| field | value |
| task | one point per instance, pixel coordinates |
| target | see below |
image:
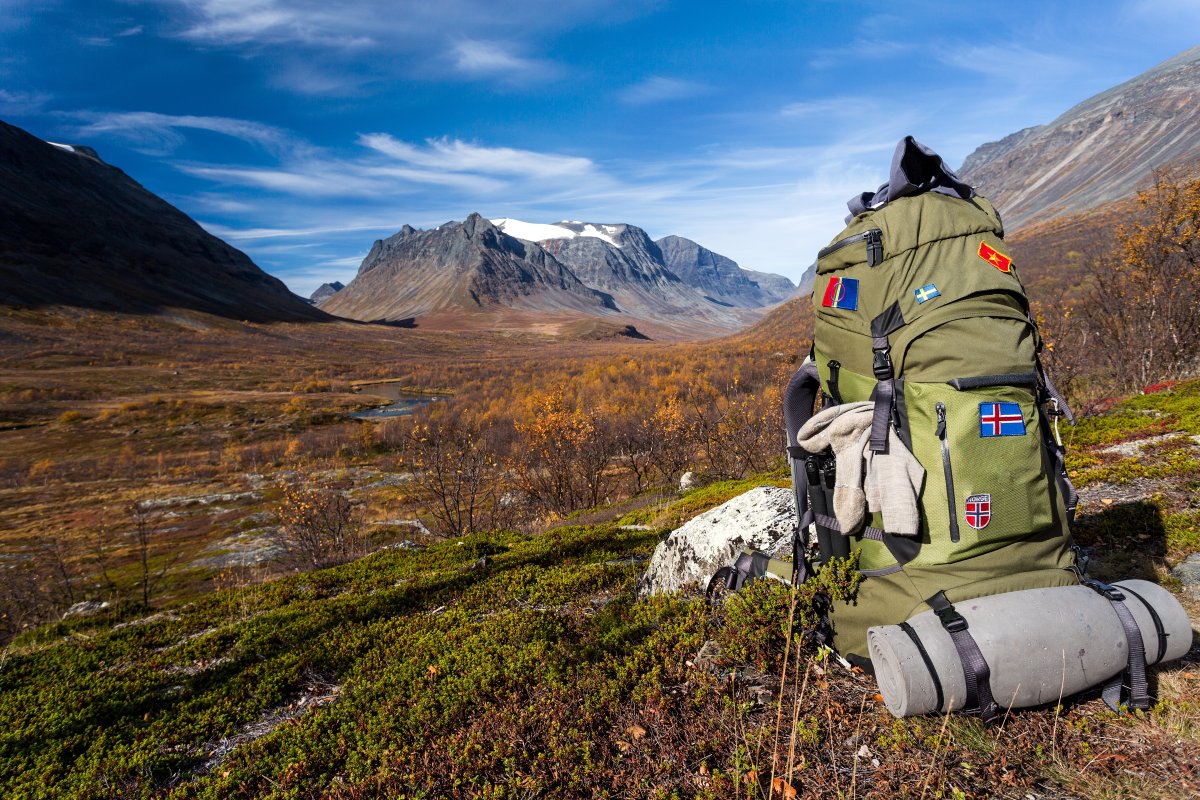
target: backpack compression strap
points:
(883, 326)
(1138, 697)
(976, 672)
(751, 564)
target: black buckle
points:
(882, 365)
(991, 713)
(1111, 592)
(952, 621)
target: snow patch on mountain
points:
(539, 232)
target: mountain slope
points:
(623, 261)
(77, 231)
(629, 266)
(1101, 150)
(720, 277)
(461, 267)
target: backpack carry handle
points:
(799, 398)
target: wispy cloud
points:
(106, 40)
(237, 22)
(458, 156)
(21, 103)
(390, 167)
(474, 39)
(1011, 62)
(658, 89)
(159, 134)
(843, 106)
(496, 60)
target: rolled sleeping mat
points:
(1040, 644)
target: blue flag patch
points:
(926, 292)
(1001, 419)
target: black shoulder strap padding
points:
(890, 320)
(1159, 628)
(976, 673)
(937, 684)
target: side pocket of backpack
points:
(988, 481)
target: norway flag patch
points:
(979, 511)
(841, 293)
(1001, 419)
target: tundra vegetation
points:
(304, 604)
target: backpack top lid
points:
(915, 169)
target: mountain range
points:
(496, 272)
(77, 231)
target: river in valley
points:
(404, 401)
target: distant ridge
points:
(480, 273)
(720, 277)
(79, 232)
(1101, 150)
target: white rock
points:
(86, 608)
(687, 481)
(762, 518)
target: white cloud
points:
(657, 89)
(482, 59)
(314, 183)
(312, 42)
(16, 104)
(1011, 63)
(159, 134)
(458, 156)
(326, 25)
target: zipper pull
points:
(874, 247)
(941, 420)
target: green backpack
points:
(919, 310)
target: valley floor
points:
(515, 663)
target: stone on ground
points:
(762, 518)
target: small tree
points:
(145, 536)
(563, 454)
(320, 526)
(1143, 310)
(457, 469)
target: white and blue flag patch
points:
(926, 292)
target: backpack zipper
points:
(873, 239)
(941, 434)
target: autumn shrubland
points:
(202, 432)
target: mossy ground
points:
(516, 665)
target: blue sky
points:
(302, 130)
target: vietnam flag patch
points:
(841, 293)
(995, 257)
